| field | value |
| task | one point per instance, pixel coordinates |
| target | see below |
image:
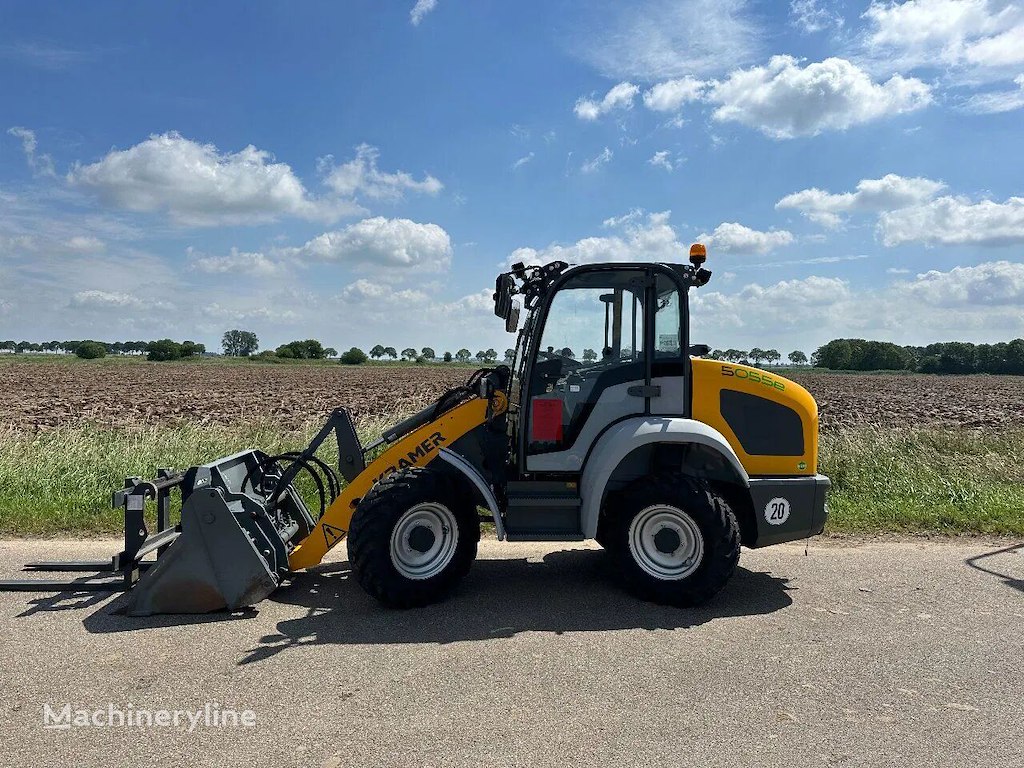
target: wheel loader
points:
(609, 425)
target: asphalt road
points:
(879, 654)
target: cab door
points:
(589, 365)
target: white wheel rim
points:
(424, 540)
(665, 542)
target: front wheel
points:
(413, 536)
(675, 540)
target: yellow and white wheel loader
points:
(609, 425)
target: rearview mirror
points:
(504, 286)
(512, 320)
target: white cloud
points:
(522, 161)
(237, 313)
(955, 221)
(41, 165)
(977, 303)
(813, 16)
(44, 55)
(889, 192)
(595, 163)
(997, 101)
(990, 284)
(662, 159)
(197, 184)
(731, 237)
(620, 96)
(978, 34)
(113, 301)
(659, 39)
(1004, 49)
(670, 95)
(786, 306)
(382, 295)
(784, 100)
(360, 177)
(84, 244)
(235, 263)
(421, 9)
(813, 291)
(381, 242)
(641, 237)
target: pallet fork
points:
(130, 562)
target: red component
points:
(547, 420)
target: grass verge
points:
(944, 481)
(910, 481)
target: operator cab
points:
(600, 343)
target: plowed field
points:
(40, 395)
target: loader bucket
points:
(211, 565)
(229, 551)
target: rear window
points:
(763, 427)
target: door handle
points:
(644, 390)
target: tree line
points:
(943, 357)
(162, 349)
(838, 354)
(757, 356)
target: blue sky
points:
(358, 172)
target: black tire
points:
(374, 524)
(713, 518)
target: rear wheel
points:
(675, 540)
(413, 536)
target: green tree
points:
(192, 349)
(772, 356)
(463, 355)
(447, 357)
(509, 355)
(757, 355)
(331, 352)
(163, 350)
(90, 350)
(589, 355)
(391, 352)
(409, 354)
(354, 356)
(310, 349)
(377, 352)
(1014, 359)
(239, 343)
(796, 357)
(428, 353)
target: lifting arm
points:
(416, 449)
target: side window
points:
(667, 321)
(593, 338)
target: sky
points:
(358, 172)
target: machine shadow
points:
(1011, 581)
(569, 591)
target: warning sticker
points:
(332, 535)
(668, 342)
